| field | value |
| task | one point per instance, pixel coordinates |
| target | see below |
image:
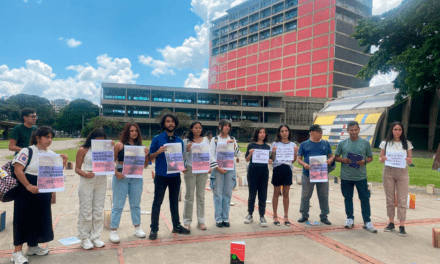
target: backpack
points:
(332, 166)
(9, 184)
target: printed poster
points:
(225, 155)
(174, 158)
(260, 156)
(318, 169)
(102, 157)
(50, 173)
(200, 158)
(134, 161)
(285, 153)
(396, 159)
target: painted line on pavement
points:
(72, 189)
(121, 256)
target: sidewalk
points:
(298, 243)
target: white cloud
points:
(37, 78)
(380, 79)
(380, 6)
(201, 82)
(160, 67)
(72, 43)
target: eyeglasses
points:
(33, 117)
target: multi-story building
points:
(299, 47)
(59, 104)
(143, 104)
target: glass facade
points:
(138, 111)
(207, 115)
(162, 96)
(114, 94)
(138, 95)
(113, 110)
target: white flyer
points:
(260, 156)
(285, 153)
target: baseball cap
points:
(315, 128)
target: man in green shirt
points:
(354, 153)
(21, 134)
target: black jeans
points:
(258, 178)
(160, 185)
(347, 188)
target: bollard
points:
(430, 188)
(336, 179)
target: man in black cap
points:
(315, 146)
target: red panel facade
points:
(289, 73)
(303, 70)
(275, 76)
(304, 58)
(305, 33)
(319, 92)
(276, 42)
(276, 53)
(263, 67)
(275, 65)
(274, 87)
(305, 9)
(262, 88)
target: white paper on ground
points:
(69, 241)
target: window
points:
(113, 110)
(290, 26)
(290, 3)
(265, 3)
(215, 51)
(215, 42)
(243, 12)
(233, 16)
(242, 42)
(223, 39)
(223, 48)
(265, 13)
(244, 22)
(253, 38)
(138, 95)
(277, 8)
(233, 36)
(253, 28)
(138, 111)
(215, 34)
(233, 26)
(277, 30)
(265, 24)
(277, 19)
(162, 96)
(253, 8)
(254, 103)
(114, 94)
(254, 18)
(224, 30)
(291, 14)
(265, 34)
(243, 32)
(233, 45)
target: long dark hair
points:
(257, 132)
(190, 135)
(96, 133)
(223, 123)
(278, 139)
(390, 136)
(42, 131)
(125, 136)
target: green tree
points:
(111, 127)
(46, 113)
(70, 118)
(246, 130)
(9, 111)
(409, 43)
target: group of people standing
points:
(32, 210)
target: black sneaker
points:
(219, 224)
(326, 221)
(390, 227)
(226, 224)
(181, 230)
(402, 231)
(303, 219)
(153, 235)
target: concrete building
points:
(302, 48)
(59, 104)
(143, 104)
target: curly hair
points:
(164, 117)
(125, 136)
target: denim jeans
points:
(306, 193)
(222, 185)
(347, 188)
(121, 188)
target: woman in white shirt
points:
(396, 179)
(194, 181)
(32, 210)
(91, 193)
(222, 181)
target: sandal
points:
(276, 222)
(201, 226)
(286, 221)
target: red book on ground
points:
(436, 237)
(237, 252)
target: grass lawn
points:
(4, 144)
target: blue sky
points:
(64, 49)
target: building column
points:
(384, 128)
(433, 114)
(406, 112)
(149, 132)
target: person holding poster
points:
(314, 147)
(32, 210)
(352, 176)
(197, 164)
(162, 180)
(124, 186)
(395, 178)
(284, 153)
(222, 179)
(258, 174)
(91, 194)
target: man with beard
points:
(162, 180)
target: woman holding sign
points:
(91, 193)
(222, 150)
(284, 155)
(124, 186)
(32, 209)
(197, 164)
(396, 152)
(257, 155)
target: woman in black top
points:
(258, 176)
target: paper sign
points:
(174, 158)
(318, 169)
(260, 156)
(50, 173)
(134, 161)
(200, 158)
(69, 241)
(225, 156)
(354, 158)
(102, 157)
(396, 159)
(285, 153)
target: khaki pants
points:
(194, 182)
(396, 180)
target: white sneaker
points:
(139, 232)
(86, 243)
(349, 223)
(19, 258)
(263, 222)
(248, 219)
(369, 227)
(114, 238)
(37, 251)
(98, 243)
